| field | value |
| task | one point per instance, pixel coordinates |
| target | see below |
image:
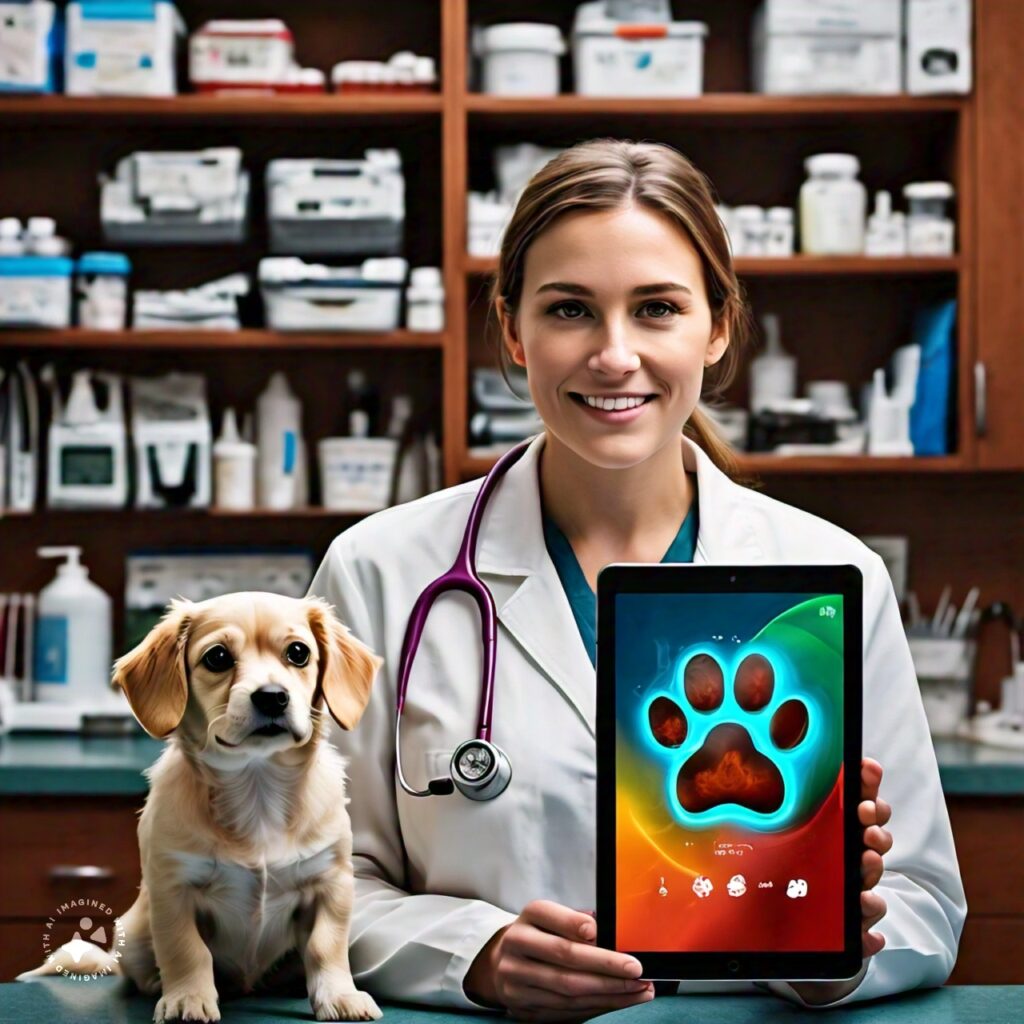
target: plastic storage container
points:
(190, 197)
(320, 207)
(301, 296)
(248, 54)
(424, 300)
(102, 288)
(520, 58)
(613, 58)
(121, 49)
(356, 473)
(35, 291)
(929, 230)
(843, 46)
(833, 206)
(29, 46)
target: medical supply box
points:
(844, 46)
(29, 46)
(211, 306)
(320, 207)
(617, 58)
(35, 291)
(240, 54)
(938, 46)
(188, 197)
(301, 296)
(121, 48)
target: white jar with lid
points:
(779, 237)
(929, 230)
(425, 300)
(751, 230)
(520, 58)
(833, 206)
(102, 288)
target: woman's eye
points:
(660, 310)
(297, 654)
(572, 310)
(218, 659)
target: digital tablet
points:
(728, 772)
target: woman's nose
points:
(615, 354)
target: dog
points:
(245, 842)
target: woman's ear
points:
(347, 666)
(509, 334)
(153, 675)
(718, 344)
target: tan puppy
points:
(245, 841)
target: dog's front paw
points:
(187, 1005)
(350, 1006)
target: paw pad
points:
(728, 768)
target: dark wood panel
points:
(991, 952)
(989, 836)
(41, 833)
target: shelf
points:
(713, 106)
(199, 107)
(801, 266)
(773, 465)
(157, 514)
(247, 338)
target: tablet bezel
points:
(624, 578)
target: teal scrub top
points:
(582, 599)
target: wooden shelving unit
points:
(841, 317)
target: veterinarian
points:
(615, 281)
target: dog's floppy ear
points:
(153, 675)
(347, 666)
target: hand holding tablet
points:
(729, 770)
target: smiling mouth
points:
(271, 729)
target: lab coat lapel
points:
(513, 561)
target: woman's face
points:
(614, 312)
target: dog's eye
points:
(218, 659)
(297, 654)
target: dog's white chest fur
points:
(246, 913)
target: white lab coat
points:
(437, 876)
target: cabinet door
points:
(999, 370)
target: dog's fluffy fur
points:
(245, 841)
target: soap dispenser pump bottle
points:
(773, 373)
(73, 635)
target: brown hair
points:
(605, 174)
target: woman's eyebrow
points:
(644, 289)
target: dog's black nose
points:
(270, 700)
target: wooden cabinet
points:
(57, 850)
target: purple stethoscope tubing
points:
(461, 576)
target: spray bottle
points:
(73, 636)
(773, 373)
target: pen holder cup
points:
(945, 673)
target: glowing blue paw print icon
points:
(732, 750)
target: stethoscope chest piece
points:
(480, 770)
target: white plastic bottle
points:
(833, 206)
(234, 468)
(773, 373)
(278, 441)
(73, 635)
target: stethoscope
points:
(479, 769)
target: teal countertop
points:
(106, 1001)
(40, 764)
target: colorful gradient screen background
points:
(729, 823)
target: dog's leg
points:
(185, 961)
(332, 992)
(138, 961)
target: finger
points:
(559, 920)
(872, 909)
(543, 999)
(883, 812)
(535, 944)
(872, 943)
(567, 982)
(870, 778)
(871, 869)
(878, 839)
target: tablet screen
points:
(729, 772)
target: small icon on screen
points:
(702, 887)
(796, 889)
(737, 885)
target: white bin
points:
(35, 291)
(520, 58)
(301, 296)
(356, 472)
(611, 58)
